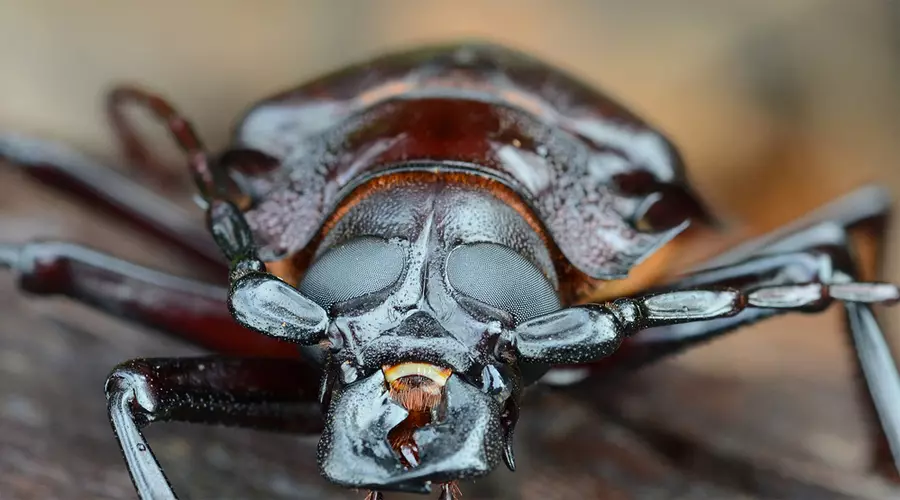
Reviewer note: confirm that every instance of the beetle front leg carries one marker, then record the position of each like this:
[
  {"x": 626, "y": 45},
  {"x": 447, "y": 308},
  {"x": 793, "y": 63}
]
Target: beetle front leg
[
  {"x": 278, "y": 395},
  {"x": 104, "y": 187},
  {"x": 829, "y": 232},
  {"x": 596, "y": 331},
  {"x": 188, "y": 309},
  {"x": 816, "y": 248}
]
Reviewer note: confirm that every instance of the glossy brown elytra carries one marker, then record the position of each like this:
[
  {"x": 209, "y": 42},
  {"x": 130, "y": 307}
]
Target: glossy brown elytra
[{"x": 437, "y": 230}]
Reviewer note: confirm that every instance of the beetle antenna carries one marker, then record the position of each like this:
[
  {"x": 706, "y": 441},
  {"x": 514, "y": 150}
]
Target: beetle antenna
[{"x": 209, "y": 180}]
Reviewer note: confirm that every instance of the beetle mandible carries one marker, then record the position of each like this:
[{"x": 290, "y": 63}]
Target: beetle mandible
[{"x": 436, "y": 230}]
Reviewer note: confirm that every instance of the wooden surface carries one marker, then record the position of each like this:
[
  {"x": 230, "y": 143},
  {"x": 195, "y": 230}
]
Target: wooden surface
[{"x": 777, "y": 106}]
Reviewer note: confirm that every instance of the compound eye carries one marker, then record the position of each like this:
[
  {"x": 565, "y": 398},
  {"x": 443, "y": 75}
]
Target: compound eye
[
  {"x": 353, "y": 269},
  {"x": 499, "y": 277}
]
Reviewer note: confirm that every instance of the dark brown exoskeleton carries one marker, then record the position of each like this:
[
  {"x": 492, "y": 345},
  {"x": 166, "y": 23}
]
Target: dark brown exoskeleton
[{"x": 436, "y": 230}]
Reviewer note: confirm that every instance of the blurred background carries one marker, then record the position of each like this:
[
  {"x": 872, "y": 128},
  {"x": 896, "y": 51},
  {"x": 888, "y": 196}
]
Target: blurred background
[{"x": 777, "y": 106}]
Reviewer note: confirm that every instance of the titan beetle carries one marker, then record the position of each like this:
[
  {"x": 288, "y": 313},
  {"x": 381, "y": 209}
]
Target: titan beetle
[{"x": 436, "y": 230}]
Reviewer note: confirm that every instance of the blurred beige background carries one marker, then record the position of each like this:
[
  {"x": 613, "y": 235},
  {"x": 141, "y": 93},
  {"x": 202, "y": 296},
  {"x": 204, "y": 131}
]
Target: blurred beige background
[{"x": 777, "y": 106}]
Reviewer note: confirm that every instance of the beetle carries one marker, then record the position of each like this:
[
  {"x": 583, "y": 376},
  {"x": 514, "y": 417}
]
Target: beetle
[{"x": 412, "y": 242}]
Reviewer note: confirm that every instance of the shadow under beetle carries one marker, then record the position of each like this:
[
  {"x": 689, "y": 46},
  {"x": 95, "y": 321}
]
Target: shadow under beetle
[{"x": 436, "y": 230}]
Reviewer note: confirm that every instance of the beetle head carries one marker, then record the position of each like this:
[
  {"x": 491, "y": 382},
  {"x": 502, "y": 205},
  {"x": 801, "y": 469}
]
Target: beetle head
[
  {"x": 417, "y": 298},
  {"x": 417, "y": 396},
  {"x": 411, "y": 300}
]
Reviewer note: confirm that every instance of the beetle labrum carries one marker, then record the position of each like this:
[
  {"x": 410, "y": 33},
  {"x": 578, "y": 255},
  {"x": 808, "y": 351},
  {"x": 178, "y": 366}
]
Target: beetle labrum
[{"x": 437, "y": 230}]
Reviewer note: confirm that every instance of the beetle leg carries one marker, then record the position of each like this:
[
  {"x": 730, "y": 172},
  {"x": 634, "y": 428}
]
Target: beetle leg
[
  {"x": 57, "y": 165},
  {"x": 768, "y": 283},
  {"x": 191, "y": 310},
  {"x": 867, "y": 209},
  {"x": 819, "y": 246},
  {"x": 261, "y": 393},
  {"x": 106, "y": 188}
]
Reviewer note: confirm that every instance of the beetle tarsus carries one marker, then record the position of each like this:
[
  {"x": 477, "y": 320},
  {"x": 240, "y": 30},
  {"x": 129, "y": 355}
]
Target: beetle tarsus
[{"x": 375, "y": 495}]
